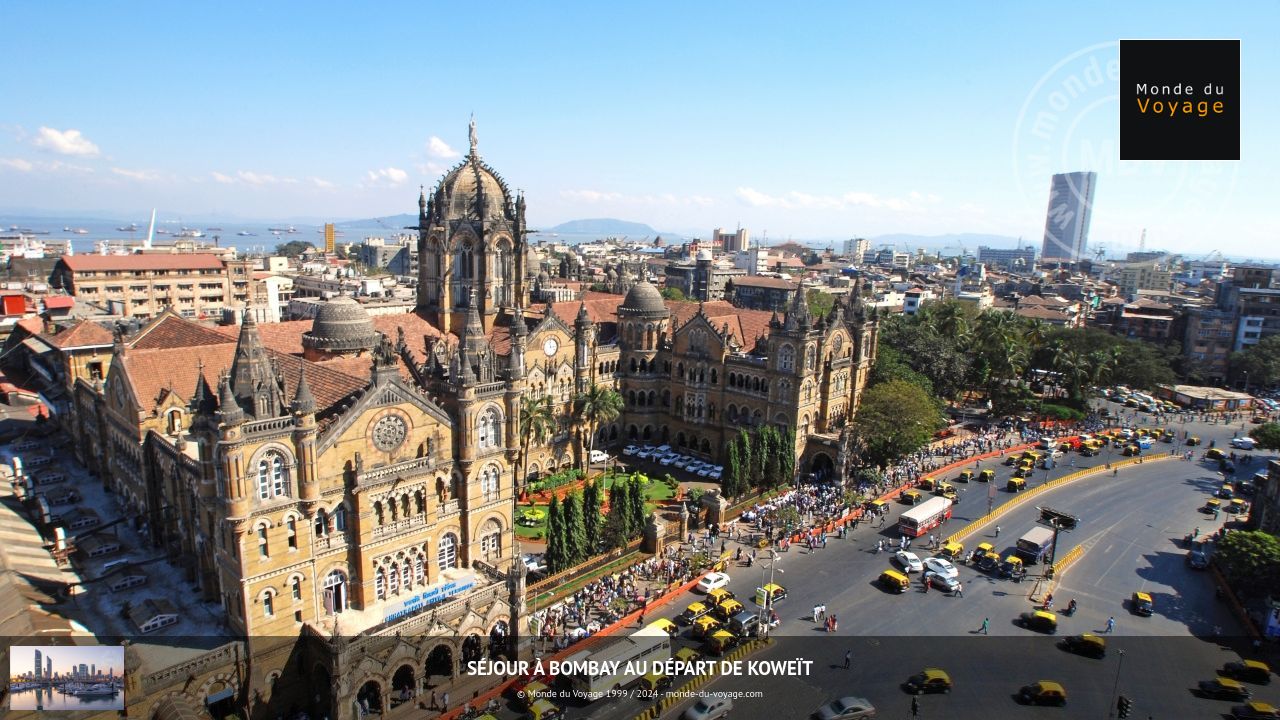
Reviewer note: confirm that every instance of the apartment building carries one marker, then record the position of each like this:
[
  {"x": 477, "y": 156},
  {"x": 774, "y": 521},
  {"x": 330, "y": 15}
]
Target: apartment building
[{"x": 143, "y": 285}]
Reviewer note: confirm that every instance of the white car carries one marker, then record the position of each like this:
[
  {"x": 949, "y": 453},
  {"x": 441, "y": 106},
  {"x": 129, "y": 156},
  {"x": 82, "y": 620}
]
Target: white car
[
  {"x": 680, "y": 461},
  {"x": 630, "y": 450},
  {"x": 695, "y": 466},
  {"x": 715, "y": 474},
  {"x": 713, "y": 581},
  {"x": 664, "y": 449},
  {"x": 941, "y": 566},
  {"x": 909, "y": 561},
  {"x": 709, "y": 708},
  {"x": 599, "y": 456},
  {"x": 668, "y": 459},
  {"x": 846, "y": 708},
  {"x": 1243, "y": 443},
  {"x": 706, "y": 471},
  {"x": 644, "y": 453}
]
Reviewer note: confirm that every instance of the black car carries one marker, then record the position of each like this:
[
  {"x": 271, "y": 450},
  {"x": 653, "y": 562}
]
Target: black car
[
  {"x": 1197, "y": 560},
  {"x": 1252, "y": 671}
]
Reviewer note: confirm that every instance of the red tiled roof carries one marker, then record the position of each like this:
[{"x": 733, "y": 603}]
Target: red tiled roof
[
  {"x": 744, "y": 325},
  {"x": 1040, "y": 312},
  {"x": 154, "y": 371},
  {"x": 59, "y": 302},
  {"x": 169, "y": 330},
  {"x": 601, "y": 308},
  {"x": 285, "y": 337},
  {"x": 83, "y": 334},
  {"x": 150, "y": 261},
  {"x": 33, "y": 325}
]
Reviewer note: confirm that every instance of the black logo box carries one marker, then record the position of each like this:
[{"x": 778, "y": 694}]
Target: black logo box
[{"x": 1154, "y": 124}]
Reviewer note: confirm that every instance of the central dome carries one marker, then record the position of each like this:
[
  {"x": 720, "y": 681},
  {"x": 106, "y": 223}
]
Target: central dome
[
  {"x": 644, "y": 297},
  {"x": 341, "y": 326}
]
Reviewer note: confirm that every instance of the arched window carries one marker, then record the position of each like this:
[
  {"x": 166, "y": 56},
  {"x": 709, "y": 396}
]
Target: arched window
[
  {"x": 810, "y": 357},
  {"x": 263, "y": 549},
  {"x": 393, "y": 580},
  {"x": 335, "y": 591},
  {"x": 447, "y": 553},
  {"x": 489, "y": 429},
  {"x": 269, "y": 603},
  {"x": 322, "y": 523},
  {"x": 466, "y": 268},
  {"x": 491, "y": 540},
  {"x": 419, "y": 575},
  {"x": 786, "y": 358},
  {"x": 340, "y": 518},
  {"x": 489, "y": 483},
  {"x": 713, "y": 376},
  {"x": 296, "y": 585},
  {"x": 175, "y": 421},
  {"x": 380, "y": 584},
  {"x": 273, "y": 482},
  {"x": 291, "y": 531}
]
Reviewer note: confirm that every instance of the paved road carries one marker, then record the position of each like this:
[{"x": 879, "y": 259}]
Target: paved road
[{"x": 1129, "y": 527}]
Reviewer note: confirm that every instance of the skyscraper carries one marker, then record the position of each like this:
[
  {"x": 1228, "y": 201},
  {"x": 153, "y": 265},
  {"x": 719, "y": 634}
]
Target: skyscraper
[
  {"x": 37, "y": 666},
  {"x": 1066, "y": 225}
]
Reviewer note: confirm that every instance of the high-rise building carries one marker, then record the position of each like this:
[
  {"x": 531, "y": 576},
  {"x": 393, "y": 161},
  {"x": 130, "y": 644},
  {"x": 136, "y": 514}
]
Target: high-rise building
[
  {"x": 37, "y": 666},
  {"x": 1066, "y": 225},
  {"x": 731, "y": 242},
  {"x": 855, "y": 249},
  {"x": 48, "y": 668}
]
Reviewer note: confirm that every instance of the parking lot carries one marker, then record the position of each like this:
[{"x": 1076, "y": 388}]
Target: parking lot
[{"x": 657, "y": 460}]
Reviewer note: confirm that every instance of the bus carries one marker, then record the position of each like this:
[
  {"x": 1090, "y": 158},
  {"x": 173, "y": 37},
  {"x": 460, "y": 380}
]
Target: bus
[
  {"x": 644, "y": 645},
  {"x": 924, "y": 517}
]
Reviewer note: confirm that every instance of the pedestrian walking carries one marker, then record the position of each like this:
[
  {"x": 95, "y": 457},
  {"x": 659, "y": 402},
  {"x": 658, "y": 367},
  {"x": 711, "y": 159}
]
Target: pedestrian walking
[
  {"x": 848, "y": 658},
  {"x": 915, "y": 707},
  {"x": 997, "y": 531},
  {"x": 444, "y": 702},
  {"x": 816, "y": 610},
  {"x": 1111, "y": 624},
  {"x": 986, "y": 626},
  {"x": 959, "y": 590}
]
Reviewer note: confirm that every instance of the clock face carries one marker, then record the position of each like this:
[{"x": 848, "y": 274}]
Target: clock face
[
  {"x": 389, "y": 432},
  {"x": 550, "y": 346}
]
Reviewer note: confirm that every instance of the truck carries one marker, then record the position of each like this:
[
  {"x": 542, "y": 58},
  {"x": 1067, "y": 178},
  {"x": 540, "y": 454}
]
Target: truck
[{"x": 1035, "y": 544}]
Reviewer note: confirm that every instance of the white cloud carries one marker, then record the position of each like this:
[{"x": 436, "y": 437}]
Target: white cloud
[
  {"x": 796, "y": 200},
  {"x": 438, "y": 148},
  {"x": 16, "y": 164},
  {"x": 224, "y": 179},
  {"x": 259, "y": 179},
  {"x": 65, "y": 142},
  {"x": 431, "y": 169},
  {"x": 617, "y": 198},
  {"x": 136, "y": 174},
  {"x": 322, "y": 184},
  {"x": 390, "y": 175}
]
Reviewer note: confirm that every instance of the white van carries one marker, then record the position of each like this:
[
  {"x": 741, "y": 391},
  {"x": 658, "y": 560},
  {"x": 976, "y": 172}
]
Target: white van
[{"x": 599, "y": 456}]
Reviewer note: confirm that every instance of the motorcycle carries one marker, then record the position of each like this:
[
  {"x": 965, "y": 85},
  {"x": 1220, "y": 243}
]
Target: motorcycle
[{"x": 1071, "y": 609}]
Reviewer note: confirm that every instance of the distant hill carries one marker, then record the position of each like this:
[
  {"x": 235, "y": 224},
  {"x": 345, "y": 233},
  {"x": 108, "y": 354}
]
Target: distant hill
[
  {"x": 602, "y": 226},
  {"x": 394, "y": 221},
  {"x": 970, "y": 241}
]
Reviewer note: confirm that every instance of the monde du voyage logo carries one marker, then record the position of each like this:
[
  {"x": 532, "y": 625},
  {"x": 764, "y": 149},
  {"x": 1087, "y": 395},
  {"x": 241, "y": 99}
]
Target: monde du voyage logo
[{"x": 1179, "y": 99}]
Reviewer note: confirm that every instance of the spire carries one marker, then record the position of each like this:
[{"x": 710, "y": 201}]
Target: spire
[
  {"x": 583, "y": 318},
  {"x": 422, "y": 201},
  {"x": 798, "y": 317},
  {"x": 304, "y": 403},
  {"x": 254, "y": 380},
  {"x": 203, "y": 399},
  {"x": 518, "y": 327},
  {"x": 474, "y": 327},
  {"x": 229, "y": 411}
]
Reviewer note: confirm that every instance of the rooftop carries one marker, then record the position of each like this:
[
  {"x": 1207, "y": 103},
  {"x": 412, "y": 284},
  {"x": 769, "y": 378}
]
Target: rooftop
[{"x": 170, "y": 261}]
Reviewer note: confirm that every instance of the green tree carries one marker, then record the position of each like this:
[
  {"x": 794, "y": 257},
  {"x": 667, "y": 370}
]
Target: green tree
[
  {"x": 773, "y": 457},
  {"x": 592, "y": 520},
  {"x": 895, "y": 419},
  {"x": 673, "y": 293},
  {"x": 1259, "y": 364},
  {"x": 889, "y": 365},
  {"x": 746, "y": 457},
  {"x": 293, "y": 248},
  {"x": 731, "y": 478},
  {"x": 1267, "y": 435},
  {"x": 617, "y": 530},
  {"x": 1250, "y": 561},
  {"x": 557, "y": 559},
  {"x": 787, "y": 457},
  {"x": 575, "y": 529},
  {"x": 537, "y": 423},
  {"x": 596, "y": 406},
  {"x": 820, "y": 303},
  {"x": 635, "y": 508}
]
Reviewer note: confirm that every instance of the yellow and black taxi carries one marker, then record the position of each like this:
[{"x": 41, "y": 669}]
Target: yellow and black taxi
[
  {"x": 1214, "y": 454},
  {"x": 989, "y": 561},
  {"x": 926, "y": 484},
  {"x": 720, "y": 642},
  {"x": 1193, "y": 441},
  {"x": 987, "y": 475},
  {"x": 1221, "y": 688},
  {"x": 894, "y": 581},
  {"x": 717, "y": 596},
  {"x": 1041, "y": 621},
  {"x": 695, "y": 611},
  {"x": 1132, "y": 450},
  {"x": 1142, "y": 604},
  {"x": 1224, "y": 491},
  {"x": 1086, "y": 644},
  {"x": 532, "y": 692},
  {"x": 688, "y": 655},
  {"x": 911, "y": 497},
  {"x": 703, "y": 626},
  {"x": 1044, "y": 692},
  {"x": 654, "y": 682},
  {"x": 544, "y": 710},
  {"x": 876, "y": 507},
  {"x": 1252, "y": 671},
  {"x": 964, "y": 476},
  {"x": 1023, "y": 471},
  {"x": 929, "y": 680},
  {"x": 1255, "y": 711},
  {"x": 1012, "y": 460},
  {"x": 728, "y": 609},
  {"x": 770, "y": 594},
  {"x": 1211, "y": 505},
  {"x": 951, "y": 550},
  {"x": 948, "y": 491},
  {"x": 1016, "y": 483},
  {"x": 1237, "y": 506},
  {"x": 666, "y": 626}
]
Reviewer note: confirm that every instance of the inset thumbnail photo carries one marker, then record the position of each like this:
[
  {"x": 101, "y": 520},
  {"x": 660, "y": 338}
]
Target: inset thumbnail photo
[{"x": 66, "y": 678}]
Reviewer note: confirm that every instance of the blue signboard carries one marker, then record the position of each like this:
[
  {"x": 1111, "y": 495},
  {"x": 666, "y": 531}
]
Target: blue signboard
[{"x": 427, "y": 598}]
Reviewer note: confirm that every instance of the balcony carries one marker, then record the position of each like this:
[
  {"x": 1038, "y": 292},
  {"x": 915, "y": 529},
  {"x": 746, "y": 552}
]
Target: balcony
[
  {"x": 406, "y": 469},
  {"x": 399, "y": 526},
  {"x": 448, "y": 509}
]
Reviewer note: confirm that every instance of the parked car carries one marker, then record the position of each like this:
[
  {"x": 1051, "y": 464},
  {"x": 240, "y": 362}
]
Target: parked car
[
  {"x": 909, "y": 561},
  {"x": 599, "y": 456},
  {"x": 1224, "y": 689},
  {"x": 630, "y": 450}
]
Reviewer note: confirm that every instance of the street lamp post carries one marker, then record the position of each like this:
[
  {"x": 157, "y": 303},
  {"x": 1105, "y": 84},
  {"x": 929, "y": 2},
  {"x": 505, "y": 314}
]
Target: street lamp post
[
  {"x": 1115, "y": 688},
  {"x": 767, "y": 605}
]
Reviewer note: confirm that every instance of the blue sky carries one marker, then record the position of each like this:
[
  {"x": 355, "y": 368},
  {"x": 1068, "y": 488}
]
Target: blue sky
[{"x": 803, "y": 120}]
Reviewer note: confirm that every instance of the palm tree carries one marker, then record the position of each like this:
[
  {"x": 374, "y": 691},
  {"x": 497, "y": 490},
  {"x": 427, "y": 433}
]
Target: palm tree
[
  {"x": 597, "y": 405},
  {"x": 537, "y": 423},
  {"x": 949, "y": 319}
]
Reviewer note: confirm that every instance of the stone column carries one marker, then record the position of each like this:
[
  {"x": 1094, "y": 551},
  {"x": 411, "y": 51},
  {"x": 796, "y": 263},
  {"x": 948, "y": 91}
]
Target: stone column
[{"x": 654, "y": 533}]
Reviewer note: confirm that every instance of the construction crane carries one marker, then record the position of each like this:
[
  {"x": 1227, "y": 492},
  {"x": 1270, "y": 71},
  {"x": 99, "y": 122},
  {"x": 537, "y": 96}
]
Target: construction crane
[{"x": 1100, "y": 253}]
